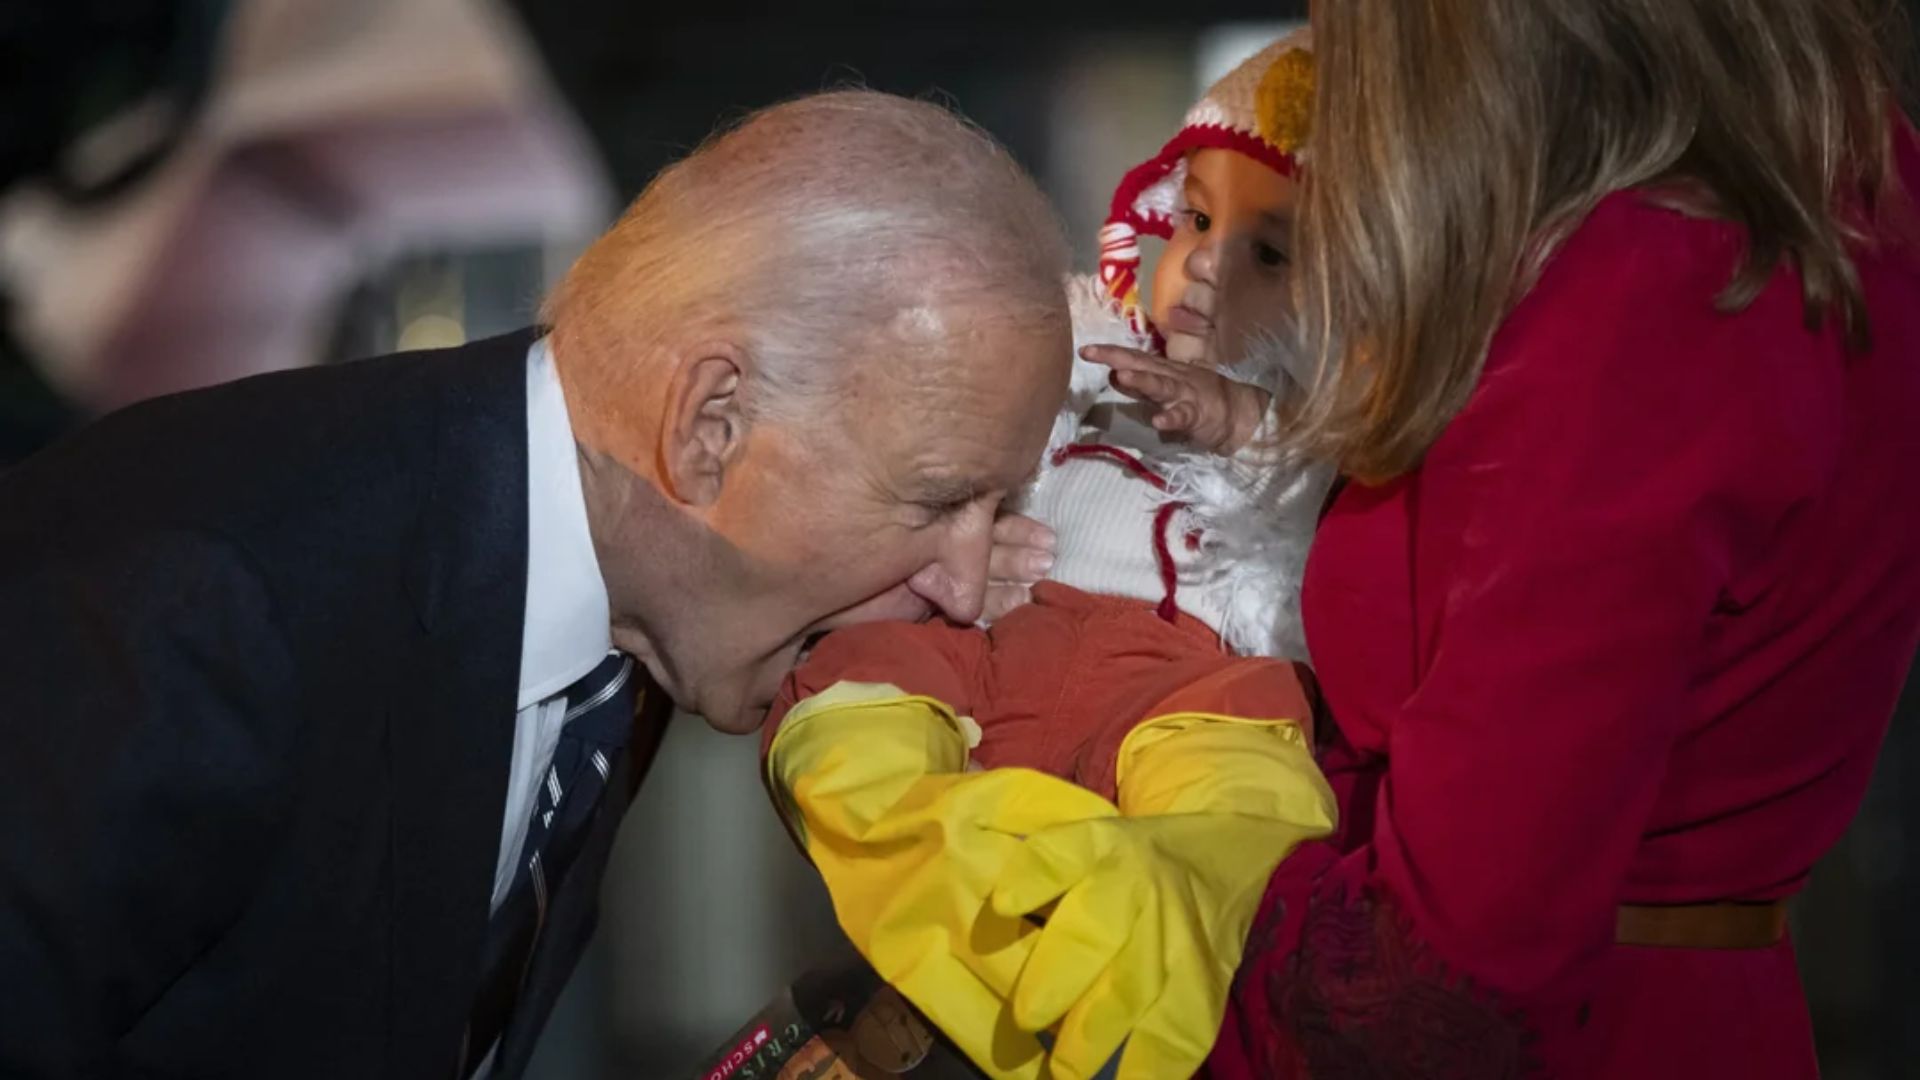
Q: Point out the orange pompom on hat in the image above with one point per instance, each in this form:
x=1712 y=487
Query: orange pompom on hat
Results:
x=1263 y=109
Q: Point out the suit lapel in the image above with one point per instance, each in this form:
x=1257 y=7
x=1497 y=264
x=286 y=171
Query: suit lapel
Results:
x=451 y=730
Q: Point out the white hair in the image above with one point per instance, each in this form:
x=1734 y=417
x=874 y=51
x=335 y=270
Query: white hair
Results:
x=840 y=225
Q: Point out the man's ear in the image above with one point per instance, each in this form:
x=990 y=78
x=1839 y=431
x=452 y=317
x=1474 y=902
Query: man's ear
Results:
x=704 y=429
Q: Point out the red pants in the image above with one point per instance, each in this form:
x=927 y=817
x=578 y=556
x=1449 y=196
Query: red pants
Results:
x=1057 y=684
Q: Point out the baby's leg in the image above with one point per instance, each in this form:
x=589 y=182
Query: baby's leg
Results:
x=935 y=660
x=1249 y=688
x=1071 y=675
x=1058 y=684
x=1009 y=684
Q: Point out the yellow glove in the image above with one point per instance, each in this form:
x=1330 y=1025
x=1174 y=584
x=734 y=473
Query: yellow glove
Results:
x=873 y=782
x=1154 y=908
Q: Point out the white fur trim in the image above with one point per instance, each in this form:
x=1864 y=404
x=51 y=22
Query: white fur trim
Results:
x=1256 y=516
x=1256 y=520
x=1165 y=197
x=1096 y=321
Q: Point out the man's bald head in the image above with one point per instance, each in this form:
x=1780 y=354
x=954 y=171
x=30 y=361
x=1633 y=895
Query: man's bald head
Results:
x=804 y=369
x=838 y=228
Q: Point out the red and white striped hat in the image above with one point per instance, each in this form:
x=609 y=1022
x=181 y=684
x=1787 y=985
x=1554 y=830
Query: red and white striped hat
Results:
x=1263 y=109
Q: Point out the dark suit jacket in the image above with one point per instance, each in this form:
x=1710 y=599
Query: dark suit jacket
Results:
x=259 y=648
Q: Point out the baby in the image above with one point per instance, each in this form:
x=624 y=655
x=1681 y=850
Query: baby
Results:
x=1198 y=517
x=1154 y=671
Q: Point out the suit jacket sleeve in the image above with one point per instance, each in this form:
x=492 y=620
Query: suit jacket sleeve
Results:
x=146 y=713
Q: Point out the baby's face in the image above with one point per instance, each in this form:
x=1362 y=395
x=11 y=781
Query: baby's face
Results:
x=1223 y=278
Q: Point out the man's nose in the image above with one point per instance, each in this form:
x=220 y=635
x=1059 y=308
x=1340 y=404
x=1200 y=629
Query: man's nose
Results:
x=956 y=582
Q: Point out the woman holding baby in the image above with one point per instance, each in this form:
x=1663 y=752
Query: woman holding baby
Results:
x=1620 y=309
x=1616 y=312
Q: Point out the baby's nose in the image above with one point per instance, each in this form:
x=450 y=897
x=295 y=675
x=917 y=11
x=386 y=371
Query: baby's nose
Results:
x=1203 y=262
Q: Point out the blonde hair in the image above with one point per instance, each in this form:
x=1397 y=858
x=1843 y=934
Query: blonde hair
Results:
x=813 y=233
x=1457 y=142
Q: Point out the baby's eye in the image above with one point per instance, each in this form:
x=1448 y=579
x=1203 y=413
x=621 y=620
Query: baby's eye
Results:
x=1201 y=222
x=1269 y=256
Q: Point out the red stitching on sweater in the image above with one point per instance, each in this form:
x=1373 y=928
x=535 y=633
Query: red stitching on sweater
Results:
x=1163 y=556
x=1112 y=453
x=1162 y=519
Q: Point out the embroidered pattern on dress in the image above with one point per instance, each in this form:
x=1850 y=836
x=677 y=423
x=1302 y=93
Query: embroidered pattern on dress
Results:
x=1363 y=997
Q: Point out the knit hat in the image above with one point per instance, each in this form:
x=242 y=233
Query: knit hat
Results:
x=1263 y=109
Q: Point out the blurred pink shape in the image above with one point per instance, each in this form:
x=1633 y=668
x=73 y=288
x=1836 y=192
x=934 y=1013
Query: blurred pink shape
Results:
x=339 y=133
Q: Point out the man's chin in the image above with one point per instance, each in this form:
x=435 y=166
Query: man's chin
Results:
x=740 y=709
x=737 y=704
x=743 y=721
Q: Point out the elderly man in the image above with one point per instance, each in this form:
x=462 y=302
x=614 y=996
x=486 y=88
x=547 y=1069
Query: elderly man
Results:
x=318 y=692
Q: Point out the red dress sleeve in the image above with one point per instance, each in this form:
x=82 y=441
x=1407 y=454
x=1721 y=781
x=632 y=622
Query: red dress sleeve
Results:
x=1627 y=453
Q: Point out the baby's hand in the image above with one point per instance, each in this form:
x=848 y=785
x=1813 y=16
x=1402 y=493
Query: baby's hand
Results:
x=1192 y=402
x=1022 y=555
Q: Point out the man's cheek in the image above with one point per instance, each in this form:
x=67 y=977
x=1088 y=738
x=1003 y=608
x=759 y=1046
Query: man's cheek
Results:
x=876 y=580
x=831 y=580
x=878 y=551
x=816 y=548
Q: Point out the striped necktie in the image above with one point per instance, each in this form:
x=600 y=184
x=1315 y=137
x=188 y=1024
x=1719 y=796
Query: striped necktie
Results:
x=598 y=724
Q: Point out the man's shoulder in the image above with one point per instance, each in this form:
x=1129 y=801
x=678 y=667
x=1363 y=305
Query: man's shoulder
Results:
x=313 y=426
x=401 y=388
x=156 y=581
x=322 y=474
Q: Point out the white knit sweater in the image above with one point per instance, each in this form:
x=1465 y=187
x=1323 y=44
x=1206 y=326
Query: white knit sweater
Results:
x=1238 y=541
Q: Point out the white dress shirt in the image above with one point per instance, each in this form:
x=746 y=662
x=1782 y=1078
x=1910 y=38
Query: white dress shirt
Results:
x=565 y=632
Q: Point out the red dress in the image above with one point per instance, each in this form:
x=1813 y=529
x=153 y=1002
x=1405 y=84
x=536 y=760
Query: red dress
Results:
x=1631 y=634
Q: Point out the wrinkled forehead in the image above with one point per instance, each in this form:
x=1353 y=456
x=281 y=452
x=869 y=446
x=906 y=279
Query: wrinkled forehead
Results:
x=987 y=394
x=951 y=356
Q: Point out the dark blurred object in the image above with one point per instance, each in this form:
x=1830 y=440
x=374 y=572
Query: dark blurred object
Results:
x=649 y=80
x=31 y=414
x=335 y=136
x=839 y=1022
x=1853 y=928
x=95 y=93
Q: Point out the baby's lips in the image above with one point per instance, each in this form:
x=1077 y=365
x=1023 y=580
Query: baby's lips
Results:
x=1185 y=320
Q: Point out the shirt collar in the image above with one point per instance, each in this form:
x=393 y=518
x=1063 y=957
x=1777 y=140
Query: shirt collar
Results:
x=566 y=628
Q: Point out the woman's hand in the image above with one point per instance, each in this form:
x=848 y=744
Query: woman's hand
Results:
x=1193 y=402
x=1022 y=555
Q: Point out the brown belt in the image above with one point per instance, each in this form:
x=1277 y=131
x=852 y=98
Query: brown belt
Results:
x=1701 y=926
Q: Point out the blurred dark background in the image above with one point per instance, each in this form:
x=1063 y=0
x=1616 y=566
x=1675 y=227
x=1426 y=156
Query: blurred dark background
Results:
x=197 y=190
